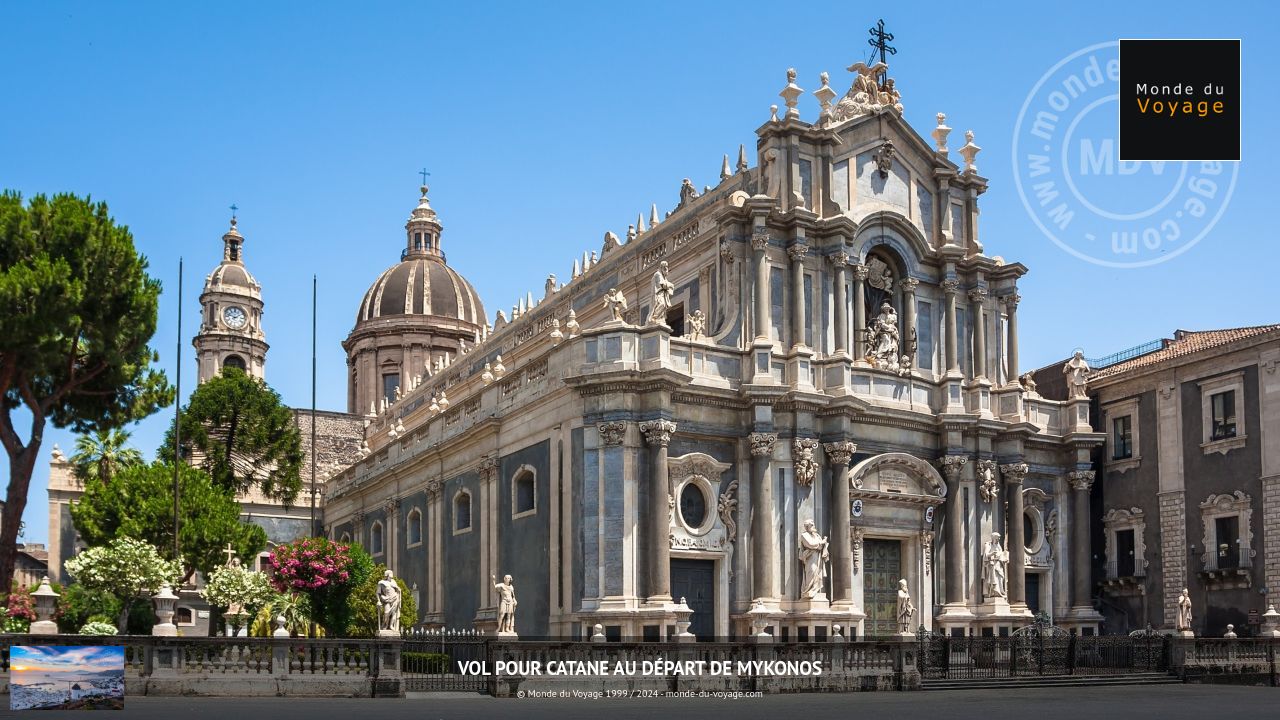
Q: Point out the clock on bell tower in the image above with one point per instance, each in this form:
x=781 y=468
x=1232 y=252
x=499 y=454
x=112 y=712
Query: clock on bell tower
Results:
x=231 y=316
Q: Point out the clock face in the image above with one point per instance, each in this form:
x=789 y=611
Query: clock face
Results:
x=234 y=317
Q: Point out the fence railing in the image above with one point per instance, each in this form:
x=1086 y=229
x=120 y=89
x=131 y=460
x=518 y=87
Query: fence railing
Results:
x=1229 y=559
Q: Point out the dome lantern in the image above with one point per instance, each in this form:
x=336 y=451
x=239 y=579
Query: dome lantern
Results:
x=423 y=230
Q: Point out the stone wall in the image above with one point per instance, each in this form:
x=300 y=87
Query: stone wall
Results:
x=1173 y=551
x=338 y=438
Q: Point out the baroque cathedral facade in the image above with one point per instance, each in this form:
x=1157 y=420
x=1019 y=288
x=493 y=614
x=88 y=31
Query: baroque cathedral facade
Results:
x=769 y=407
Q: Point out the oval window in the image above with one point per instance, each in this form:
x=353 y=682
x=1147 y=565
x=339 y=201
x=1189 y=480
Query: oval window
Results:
x=693 y=506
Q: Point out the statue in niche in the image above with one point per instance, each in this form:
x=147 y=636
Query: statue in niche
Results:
x=506 y=604
x=1077 y=372
x=815 y=555
x=1184 y=611
x=616 y=302
x=995 y=561
x=906 y=609
x=388 y=605
x=882 y=351
x=663 y=290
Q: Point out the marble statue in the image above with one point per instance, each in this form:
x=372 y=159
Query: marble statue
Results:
x=1184 y=611
x=663 y=289
x=883 y=350
x=388 y=605
x=617 y=304
x=995 y=560
x=697 y=323
x=1077 y=372
x=989 y=487
x=866 y=95
x=814 y=554
x=1028 y=382
x=506 y=604
x=906 y=609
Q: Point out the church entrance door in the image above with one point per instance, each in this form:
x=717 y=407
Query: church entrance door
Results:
x=694 y=580
x=883 y=568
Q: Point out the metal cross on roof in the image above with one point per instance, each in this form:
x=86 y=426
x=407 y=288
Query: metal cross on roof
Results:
x=423 y=172
x=879 y=42
x=233 y=211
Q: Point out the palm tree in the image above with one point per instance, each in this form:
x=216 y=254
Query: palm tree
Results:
x=102 y=454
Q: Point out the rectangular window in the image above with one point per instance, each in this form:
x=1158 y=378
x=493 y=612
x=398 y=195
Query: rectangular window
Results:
x=1228 y=536
x=390 y=382
x=1124 y=553
x=1122 y=438
x=924 y=335
x=1224 y=415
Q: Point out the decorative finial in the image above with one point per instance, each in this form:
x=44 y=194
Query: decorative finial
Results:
x=725 y=173
x=773 y=113
x=742 y=158
x=653 y=215
x=640 y=228
x=825 y=95
x=791 y=95
x=940 y=134
x=969 y=152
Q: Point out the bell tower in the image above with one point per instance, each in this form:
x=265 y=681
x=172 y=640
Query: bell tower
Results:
x=231 y=315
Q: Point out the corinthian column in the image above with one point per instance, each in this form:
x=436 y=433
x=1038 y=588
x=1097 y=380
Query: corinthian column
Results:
x=860 y=273
x=909 y=286
x=951 y=287
x=1011 y=310
x=760 y=241
x=952 y=467
x=1013 y=475
x=796 y=252
x=840 y=261
x=657 y=433
x=763 y=543
x=1081 y=568
x=976 y=297
x=840 y=453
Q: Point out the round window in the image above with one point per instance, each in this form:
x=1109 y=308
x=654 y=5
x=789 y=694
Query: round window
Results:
x=693 y=506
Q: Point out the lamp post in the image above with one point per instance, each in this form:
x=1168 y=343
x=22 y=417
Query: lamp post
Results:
x=46 y=603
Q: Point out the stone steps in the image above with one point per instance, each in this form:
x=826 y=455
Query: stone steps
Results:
x=1032 y=681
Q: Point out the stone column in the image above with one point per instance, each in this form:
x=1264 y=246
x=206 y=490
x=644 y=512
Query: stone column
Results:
x=1013 y=474
x=657 y=433
x=909 y=286
x=840 y=260
x=489 y=523
x=760 y=241
x=840 y=453
x=1081 y=579
x=860 y=273
x=976 y=297
x=952 y=467
x=390 y=536
x=1011 y=310
x=763 y=543
x=951 y=287
x=796 y=252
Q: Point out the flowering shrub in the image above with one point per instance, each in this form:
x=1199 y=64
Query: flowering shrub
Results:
x=127 y=568
x=237 y=588
x=98 y=628
x=11 y=624
x=325 y=572
x=20 y=604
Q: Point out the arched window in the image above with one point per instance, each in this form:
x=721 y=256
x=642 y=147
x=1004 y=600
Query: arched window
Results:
x=345 y=539
x=375 y=538
x=414 y=527
x=183 y=616
x=524 y=492
x=234 y=361
x=461 y=512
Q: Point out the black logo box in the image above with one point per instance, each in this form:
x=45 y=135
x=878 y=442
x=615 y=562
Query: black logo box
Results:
x=1161 y=77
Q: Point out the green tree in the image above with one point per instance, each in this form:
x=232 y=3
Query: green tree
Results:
x=242 y=435
x=364 y=606
x=127 y=568
x=77 y=604
x=138 y=504
x=99 y=455
x=77 y=310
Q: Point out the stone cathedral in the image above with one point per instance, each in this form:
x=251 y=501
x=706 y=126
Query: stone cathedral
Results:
x=772 y=405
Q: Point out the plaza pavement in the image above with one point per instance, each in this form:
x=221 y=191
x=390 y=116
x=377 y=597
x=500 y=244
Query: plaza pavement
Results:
x=1162 y=702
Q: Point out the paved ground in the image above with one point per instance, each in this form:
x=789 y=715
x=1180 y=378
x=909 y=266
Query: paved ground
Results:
x=1165 y=702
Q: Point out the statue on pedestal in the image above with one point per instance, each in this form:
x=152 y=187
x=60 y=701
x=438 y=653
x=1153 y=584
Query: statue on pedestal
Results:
x=388 y=605
x=814 y=554
x=995 y=560
x=883 y=348
x=506 y=604
x=906 y=609
x=663 y=290
x=1077 y=372
x=616 y=302
x=1184 y=611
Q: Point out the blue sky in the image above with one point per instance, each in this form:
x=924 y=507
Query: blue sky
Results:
x=543 y=126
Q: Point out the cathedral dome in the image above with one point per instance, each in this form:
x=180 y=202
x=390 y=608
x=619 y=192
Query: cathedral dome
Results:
x=230 y=274
x=422 y=286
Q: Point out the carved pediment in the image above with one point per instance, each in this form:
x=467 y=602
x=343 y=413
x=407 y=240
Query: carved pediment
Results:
x=899 y=474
